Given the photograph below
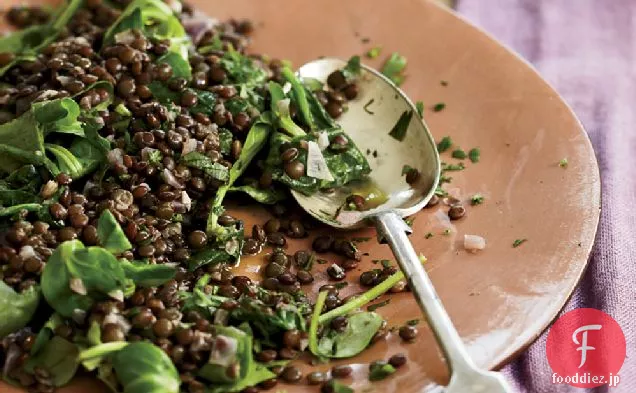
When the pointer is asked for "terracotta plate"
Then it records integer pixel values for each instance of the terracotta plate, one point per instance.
(500, 299)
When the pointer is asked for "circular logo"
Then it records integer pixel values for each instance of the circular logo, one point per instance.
(586, 348)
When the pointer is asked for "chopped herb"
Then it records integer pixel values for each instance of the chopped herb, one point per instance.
(420, 108)
(443, 83)
(445, 179)
(341, 285)
(409, 220)
(563, 163)
(386, 263)
(374, 52)
(474, 155)
(352, 69)
(428, 235)
(406, 169)
(380, 370)
(518, 242)
(393, 68)
(476, 199)
(366, 107)
(413, 322)
(155, 157)
(439, 107)
(422, 259)
(440, 192)
(399, 130)
(444, 144)
(375, 306)
(453, 167)
(360, 239)
(459, 154)
(446, 232)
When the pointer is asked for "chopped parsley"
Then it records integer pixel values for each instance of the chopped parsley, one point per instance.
(518, 242)
(563, 163)
(419, 105)
(439, 107)
(406, 169)
(399, 130)
(374, 52)
(409, 220)
(352, 69)
(375, 306)
(393, 68)
(459, 154)
(474, 155)
(476, 199)
(444, 144)
(428, 235)
(453, 167)
(367, 105)
(445, 179)
(385, 263)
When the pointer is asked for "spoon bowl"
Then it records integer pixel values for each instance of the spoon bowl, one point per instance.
(368, 121)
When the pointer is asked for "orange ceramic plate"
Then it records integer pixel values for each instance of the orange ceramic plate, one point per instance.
(500, 299)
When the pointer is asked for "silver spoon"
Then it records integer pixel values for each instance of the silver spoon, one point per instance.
(368, 121)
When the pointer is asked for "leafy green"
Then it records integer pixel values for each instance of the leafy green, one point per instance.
(267, 196)
(80, 159)
(345, 166)
(93, 272)
(92, 357)
(338, 387)
(393, 68)
(241, 69)
(299, 96)
(439, 107)
(46, 332)
(444, 144)
(286, 316)
(518, 242)
(16, 309)
(21, 142)
(60, 115)
(211, 169)
(321, 117)
(280, 109)
(476, 199)
(360, 330)
(141, 367)
(147, 275)
(400, 128)
(475, 154)
(353, 69)
(20, 187)
(380, 370)
(459, 154)
(59, 357)
(205, 102)
(198, 300)
(180, 69)
(420, 108)
(110, 234)
(26, 43)
(374, 52)
(225, 140)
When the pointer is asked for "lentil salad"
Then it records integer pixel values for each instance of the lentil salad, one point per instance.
(123, 128)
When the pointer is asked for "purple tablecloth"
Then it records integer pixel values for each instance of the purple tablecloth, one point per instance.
(587, 50)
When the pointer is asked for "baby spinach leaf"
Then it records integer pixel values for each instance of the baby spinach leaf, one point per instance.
(180, 69)
(147, 275)
(59, 357)
(393, 68)
(16, 309)
(110, 234)
(141, 367)
(299, 96)
(20, 187)
(93, 272)
(286, 316)
(280, 109)
(22, 142)
(58, 115)
(398, 131)
(321, 117)
(45, 334)
(199, 301)
(266, 196)
(345, 166)
(379, 371)
(360, 330)
(226, 247)
(256, 374)
(204, 163)
(241, 69)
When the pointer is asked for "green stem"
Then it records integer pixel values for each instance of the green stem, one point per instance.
(292, 128)
(101, 350)
(360, 301)
(315, 322)
(300, 96)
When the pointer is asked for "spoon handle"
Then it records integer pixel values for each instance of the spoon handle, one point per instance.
(393, 230)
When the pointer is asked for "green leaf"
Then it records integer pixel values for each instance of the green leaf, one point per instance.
(444, 144)
(518, 242)
(419, 105)
(474, 155)
(321, 117)
(360, 330)
(94, 273)
(205, 102)
(267, 196)
(476, 199)
(285, 317)
(16, 309)
(59, 357)
(400, 128)
(439, 107)
(393, 68)
(211, 169)
(459, 154)
(299, 96)
(379, 371)
(374, 52)
(142, 367)
(280, 108)
(110, 234)
(225, 140)
(353, 69)
(241, 69)
(23, 143)
(45, 334)
(58, 115)
(147, 275)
